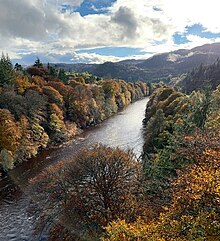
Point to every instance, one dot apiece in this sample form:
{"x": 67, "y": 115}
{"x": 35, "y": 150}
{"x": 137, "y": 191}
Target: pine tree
{"x": 38, "y": 63}
{"x": 7, "y": 75}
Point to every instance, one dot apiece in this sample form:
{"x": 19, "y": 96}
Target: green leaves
{"x": 7, "y": 74}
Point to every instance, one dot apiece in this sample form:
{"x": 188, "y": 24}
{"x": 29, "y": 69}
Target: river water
{"x": 16, "y": 222}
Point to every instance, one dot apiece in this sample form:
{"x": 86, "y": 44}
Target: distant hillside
{"x": 79, "y": 67}
{"x": 158, "y": 67}
{"x": 201, "y": 77}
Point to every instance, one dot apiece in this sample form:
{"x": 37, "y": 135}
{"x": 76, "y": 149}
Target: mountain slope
{"x": 157, "y": 67}
{"x": 202, "y": 77}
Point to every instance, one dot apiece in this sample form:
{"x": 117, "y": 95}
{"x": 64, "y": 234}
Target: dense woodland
{"x": 201, "y": 77}
{"x": 42, "y": 106}
{"x": 172, "y": 194}
{"x": 181, "y": 177}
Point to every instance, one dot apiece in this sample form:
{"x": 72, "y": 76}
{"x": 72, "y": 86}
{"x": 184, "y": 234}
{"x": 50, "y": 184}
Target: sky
{"x": 93, "y": 31}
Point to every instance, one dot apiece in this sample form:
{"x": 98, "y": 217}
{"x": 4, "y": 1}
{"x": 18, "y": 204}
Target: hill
{"x": 201, "y": 77}
{"x": 156, "y": 68}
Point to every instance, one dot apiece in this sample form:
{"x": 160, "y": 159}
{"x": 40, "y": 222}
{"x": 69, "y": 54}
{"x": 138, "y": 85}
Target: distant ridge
{"x": 159, "y": 66}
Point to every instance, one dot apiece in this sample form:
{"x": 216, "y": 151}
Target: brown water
{"x": 16, "y": 222}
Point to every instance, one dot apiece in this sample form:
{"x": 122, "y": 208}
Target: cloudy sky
{"x": 95, "y": 31}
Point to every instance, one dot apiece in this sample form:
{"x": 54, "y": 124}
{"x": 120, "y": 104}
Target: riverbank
{"x": 123, "y": 130}
{"x": 71, "y": 132}
{"x": 38, "y": 110}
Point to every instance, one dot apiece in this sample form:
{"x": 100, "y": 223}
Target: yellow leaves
{"x": 53, "y": 95}
{"x": 22, "y": 84}
{"x": 122, "y": 231}
{"x": 196, "y": 194}
{"x": 39, "y": 81}
{"x": 10, "y": 132}
{"x": 163, "y": 230}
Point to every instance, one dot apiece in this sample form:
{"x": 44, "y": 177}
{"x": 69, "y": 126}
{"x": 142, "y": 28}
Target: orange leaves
{"x": 22, "y": 84}
{"x": 10, "y": 135}
{"x": 137, "y": 231}
{"x": 196, "y": 196}
{"x": 53, "y": 95}
{"x": 9, "y": 131}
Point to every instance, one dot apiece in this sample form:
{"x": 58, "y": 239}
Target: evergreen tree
{"x": 38, "y": 63}
{"x": 18, "y": 67}
{"x": 62, "y": 76}
{"x": 6, "y": 71}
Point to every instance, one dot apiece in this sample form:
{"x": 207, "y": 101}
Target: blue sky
{"x": 94, "y": 7}
{"x": 93, "y": 31}
{"x": 195, "y": 29}
{"x": 115, "y": 51}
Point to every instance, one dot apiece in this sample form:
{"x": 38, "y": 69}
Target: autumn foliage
{"x": 54, "y": 105}
{"x": 182, "y": 178}
{"x": 97, "y": 186}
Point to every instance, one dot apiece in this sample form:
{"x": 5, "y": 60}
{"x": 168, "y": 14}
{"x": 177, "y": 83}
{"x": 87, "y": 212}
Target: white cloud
{"x": 57, "y": 3}
{"x": 188, "y": 12}
{"x": 196, "y": 40}
{"x": 98, "y": 59}
{"x": 94, "y": 58}
{"x": 37, "y": 26}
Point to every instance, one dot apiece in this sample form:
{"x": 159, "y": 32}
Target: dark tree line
{"x": 204, "y": 76}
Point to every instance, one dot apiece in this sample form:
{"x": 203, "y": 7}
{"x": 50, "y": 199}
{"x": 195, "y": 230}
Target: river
{"x": 16, "y": 222}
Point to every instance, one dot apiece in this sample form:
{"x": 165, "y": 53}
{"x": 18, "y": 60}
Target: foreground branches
{"x": 98, "y": 186}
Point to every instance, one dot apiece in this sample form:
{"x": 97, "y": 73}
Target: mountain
{"x": 180, "y": 61}
{"x": 158, "y": 67}
{"x": 201, "y": 77}
{"x": 79, "y": 67}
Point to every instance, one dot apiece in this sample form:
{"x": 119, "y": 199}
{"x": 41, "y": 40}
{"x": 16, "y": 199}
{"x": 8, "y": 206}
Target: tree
{"x": 154, "y": 127}
{"x": 99, "y": 185}
{"x": 18, "y": 67}
{"x": 36, "y": 105}
{"x": 9, "y": 131}
{"x": 53, "y": 96}
{"x": 7, "y": 75}
{"x": 38, "y": 63}
{"x": 201, "y": 103}
{"x": 62, "y": 76}
{"x": 22, "y": 84}
{"x": 194, "y": 211}
{"x": 13, "y": 102}
{"x": 9, "y": 138}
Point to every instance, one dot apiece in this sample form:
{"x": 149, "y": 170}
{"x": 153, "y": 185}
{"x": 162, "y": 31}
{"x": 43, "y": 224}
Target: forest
{"x": 172, "y": 193}
{"x": 201, "y": 77}
{"x": 42, "y": 106}
{"x": 181, "y": 178}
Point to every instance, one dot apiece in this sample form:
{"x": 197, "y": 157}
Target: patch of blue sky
{"x": 28, "y": 58}
{"x": 113, "y": 51}
{"x": 158, "y": 42}
{"x": 180, "y": 38}
{"x": 198, "y": 29}
{"x": 195, "y": 29}
{"x": 89, "y": 7}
